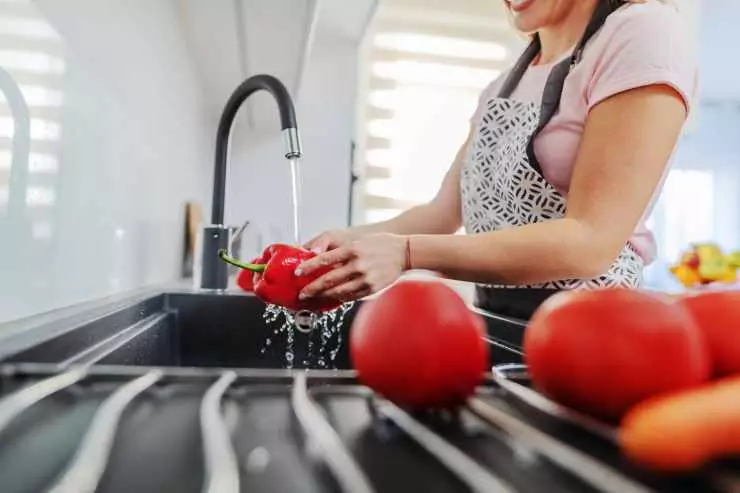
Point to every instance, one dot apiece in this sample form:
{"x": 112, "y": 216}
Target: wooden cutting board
{"x": 193, "y": 226}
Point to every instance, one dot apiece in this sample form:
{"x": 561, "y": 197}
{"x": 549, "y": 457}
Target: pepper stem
{"x": 238, "y": 263}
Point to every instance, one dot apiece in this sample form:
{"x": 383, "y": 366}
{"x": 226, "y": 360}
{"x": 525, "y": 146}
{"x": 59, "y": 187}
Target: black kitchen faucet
{"x": 216, "y": 235}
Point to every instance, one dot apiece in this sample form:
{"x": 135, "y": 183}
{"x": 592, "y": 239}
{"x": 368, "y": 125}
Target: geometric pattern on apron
{"x": 501, "y": 190}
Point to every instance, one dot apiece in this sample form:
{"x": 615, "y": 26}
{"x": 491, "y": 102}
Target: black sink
{"x": 134, "y": 421}
{"x": 225, "y": 330}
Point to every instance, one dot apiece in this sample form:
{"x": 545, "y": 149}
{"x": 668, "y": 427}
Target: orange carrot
{"x": 683, "y": 431}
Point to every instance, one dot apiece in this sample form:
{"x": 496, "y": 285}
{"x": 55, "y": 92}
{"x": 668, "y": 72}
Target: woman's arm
{"x": 627, "y": 142}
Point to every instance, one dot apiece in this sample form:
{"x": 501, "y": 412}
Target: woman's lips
{"x": 519, "y": 5}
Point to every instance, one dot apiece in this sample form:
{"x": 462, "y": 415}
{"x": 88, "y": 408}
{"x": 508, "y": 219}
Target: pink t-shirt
{"x": 639, "y": 45}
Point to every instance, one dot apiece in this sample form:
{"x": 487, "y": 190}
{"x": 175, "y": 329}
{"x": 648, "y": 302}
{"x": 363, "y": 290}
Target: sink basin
{"x": 224, "y": 330}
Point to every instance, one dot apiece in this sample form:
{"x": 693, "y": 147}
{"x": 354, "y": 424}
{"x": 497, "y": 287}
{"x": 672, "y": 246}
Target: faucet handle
{"x": 235, "y": 237}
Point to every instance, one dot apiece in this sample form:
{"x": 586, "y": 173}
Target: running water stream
{"x": 295, "y": 178}
{"x": 305, "y": 323}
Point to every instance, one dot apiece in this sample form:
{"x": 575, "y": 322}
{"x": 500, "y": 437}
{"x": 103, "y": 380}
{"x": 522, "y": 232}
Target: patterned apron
{"x": 503, "y": 186}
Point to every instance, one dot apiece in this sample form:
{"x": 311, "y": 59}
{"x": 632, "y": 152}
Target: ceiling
{"x": 234, "y": 39}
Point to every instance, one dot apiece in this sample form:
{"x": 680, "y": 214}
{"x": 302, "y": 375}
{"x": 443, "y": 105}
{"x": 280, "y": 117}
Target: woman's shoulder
{"x": 653, "y": 18}
{"x": 642, "y": 44}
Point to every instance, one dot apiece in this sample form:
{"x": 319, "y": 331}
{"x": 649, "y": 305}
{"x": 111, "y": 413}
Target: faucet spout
{"x": 216, "y": 236}
{"x": 223, "y": 135}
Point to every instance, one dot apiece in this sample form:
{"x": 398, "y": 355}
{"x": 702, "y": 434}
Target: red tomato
{"x": 718, "y": 315}
{"x": 603, "y": 351}
{"x": 419, "y": 345}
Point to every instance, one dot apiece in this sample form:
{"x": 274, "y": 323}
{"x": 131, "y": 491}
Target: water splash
{"x": 324, "y": 340}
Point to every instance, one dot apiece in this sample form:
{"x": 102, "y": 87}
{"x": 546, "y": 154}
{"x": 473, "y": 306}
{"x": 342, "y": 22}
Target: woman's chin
{"x": 529, "y": 21}
{"x": 526, "y": 24}
{"x": 531, "y": 16}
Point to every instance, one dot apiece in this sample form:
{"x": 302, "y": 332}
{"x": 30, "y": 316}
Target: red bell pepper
{"x": 245, "y": 277}
{"x": 276, "y": 282}
{"x": 245, "y": 280}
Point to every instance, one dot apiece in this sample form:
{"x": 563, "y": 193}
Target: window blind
{"x": 425, "y": 64}
{"x": 32, "y": 63}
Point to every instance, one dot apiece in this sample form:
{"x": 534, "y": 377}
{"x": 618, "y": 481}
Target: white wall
{"x": 133, "y": 147}
{"x": 720, "y": 71}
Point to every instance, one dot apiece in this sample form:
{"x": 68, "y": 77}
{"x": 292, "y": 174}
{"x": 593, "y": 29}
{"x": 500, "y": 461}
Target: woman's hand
{"x": 363, "y": 267}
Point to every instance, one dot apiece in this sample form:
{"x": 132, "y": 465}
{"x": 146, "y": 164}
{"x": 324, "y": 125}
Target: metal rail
{"x": 475, "y": 476}
{"x": 87, "y": 467}
{"x": 222, "y": 466}
{"x": 20, "y": 400}
{"x": 346, "y": 471}
{"x": 542, "y": 403}
{"x": 598, "y": 475}
{"x": 723, "y": 480}
{"x": 498, "y": 343}
{"x": 85, "y": 471}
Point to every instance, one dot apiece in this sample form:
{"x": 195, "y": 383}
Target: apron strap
{"x": 553, "y": 92}
{"x": 516, "y": 302}
{"x": 517, "y": 72}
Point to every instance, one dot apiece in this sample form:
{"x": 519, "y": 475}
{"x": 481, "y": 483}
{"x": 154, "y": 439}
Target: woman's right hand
{"x": 329, "y": 240}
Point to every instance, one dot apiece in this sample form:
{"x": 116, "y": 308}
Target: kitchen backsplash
{"x": 103, "y": 140}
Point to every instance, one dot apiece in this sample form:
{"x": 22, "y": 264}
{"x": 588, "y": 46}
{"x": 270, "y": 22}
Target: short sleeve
{"x": 647, "y": 44}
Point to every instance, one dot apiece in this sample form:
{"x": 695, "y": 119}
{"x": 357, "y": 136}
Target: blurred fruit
{"x": 705, "y": 263}
{"x": 691, "y": 260}
{"x": 419, "y": 345}
{"x": 734, "y": 258}
{"x": 683, "y": 431}
{"x": 603, "y": 351}
{"x": 717, "y": 314}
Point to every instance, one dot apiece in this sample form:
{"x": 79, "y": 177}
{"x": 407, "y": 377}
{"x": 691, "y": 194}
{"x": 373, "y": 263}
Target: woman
{"x": 566, "y": 154}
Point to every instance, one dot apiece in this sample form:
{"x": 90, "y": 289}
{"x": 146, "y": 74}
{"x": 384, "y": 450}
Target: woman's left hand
{"x": 363, "y": 267}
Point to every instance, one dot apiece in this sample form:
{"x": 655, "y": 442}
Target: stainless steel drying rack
{"x": 507, "y": 438}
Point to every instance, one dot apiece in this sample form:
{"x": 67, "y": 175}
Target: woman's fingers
{"x": 319, "y": 244}
{"x": 333, "y": 278}
{"x": 328, "y": 240}
{"x": 339, "y": 255}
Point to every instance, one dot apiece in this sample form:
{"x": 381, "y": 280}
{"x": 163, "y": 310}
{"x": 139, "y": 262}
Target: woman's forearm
{"x": 535, "y": 253}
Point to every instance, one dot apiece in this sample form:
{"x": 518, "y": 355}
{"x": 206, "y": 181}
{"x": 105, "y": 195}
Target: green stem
{"x": 238, "y": 263}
